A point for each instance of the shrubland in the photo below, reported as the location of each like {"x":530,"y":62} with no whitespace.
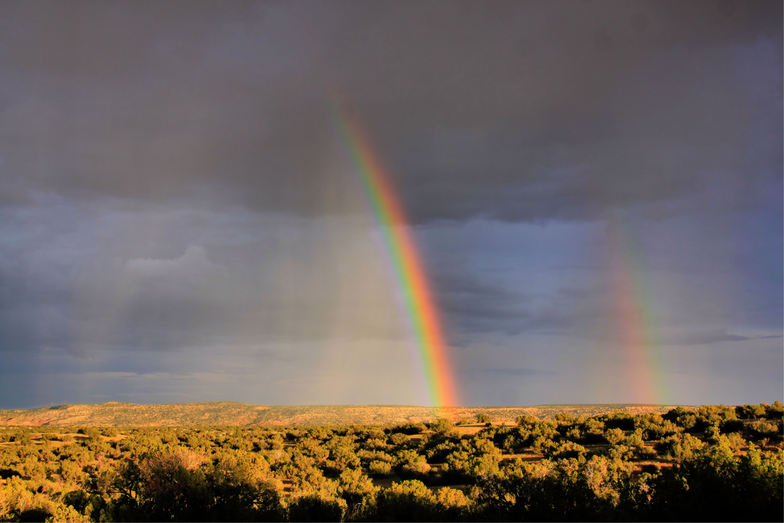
{"x":705,"y":463}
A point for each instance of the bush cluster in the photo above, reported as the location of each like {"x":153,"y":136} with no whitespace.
{"x":706,"y":463}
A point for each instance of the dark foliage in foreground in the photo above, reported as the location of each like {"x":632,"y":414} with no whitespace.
{"x":710,"y":463}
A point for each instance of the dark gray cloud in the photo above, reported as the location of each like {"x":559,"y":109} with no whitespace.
{"x":160,"y":279}
{"x":709,"y":337}
{"x":518,"y":372}
{"x":517,"y":111}
{"x":472,"y":305}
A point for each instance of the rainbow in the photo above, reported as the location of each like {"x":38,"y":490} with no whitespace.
{"x":409,"y":271}
{"x":632,"y":307}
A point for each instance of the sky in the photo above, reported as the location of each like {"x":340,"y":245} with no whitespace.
{"x":594,"y":188}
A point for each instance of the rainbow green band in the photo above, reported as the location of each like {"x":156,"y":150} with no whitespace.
{"x":409,"y":271}
{"x":632,"y":307}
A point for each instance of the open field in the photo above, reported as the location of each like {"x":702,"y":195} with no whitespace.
{"x":231,"y":413}
{"x":579,"y":462}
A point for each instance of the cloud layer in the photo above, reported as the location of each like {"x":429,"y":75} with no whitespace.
{"x":179,"y":215}
{"x":519,"y":111}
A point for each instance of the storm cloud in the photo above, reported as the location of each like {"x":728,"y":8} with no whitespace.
{"x":516,"y":111}
{"x":177,"y":203}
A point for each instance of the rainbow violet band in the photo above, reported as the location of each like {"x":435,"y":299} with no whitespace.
{"x":408,"y":268}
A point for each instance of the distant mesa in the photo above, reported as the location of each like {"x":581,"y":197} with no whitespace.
{"x":115,"y":413}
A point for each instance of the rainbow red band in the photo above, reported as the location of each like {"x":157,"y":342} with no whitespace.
{"x":406,"y":261}
{"x":635,"y":319}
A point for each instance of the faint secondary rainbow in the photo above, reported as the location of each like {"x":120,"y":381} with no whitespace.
{"x":632,"y":304}
{"x":407,"y":264}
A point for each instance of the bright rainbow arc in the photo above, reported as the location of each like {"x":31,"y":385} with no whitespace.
{"x":408,"y":268}
{"x":632,"y":304}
